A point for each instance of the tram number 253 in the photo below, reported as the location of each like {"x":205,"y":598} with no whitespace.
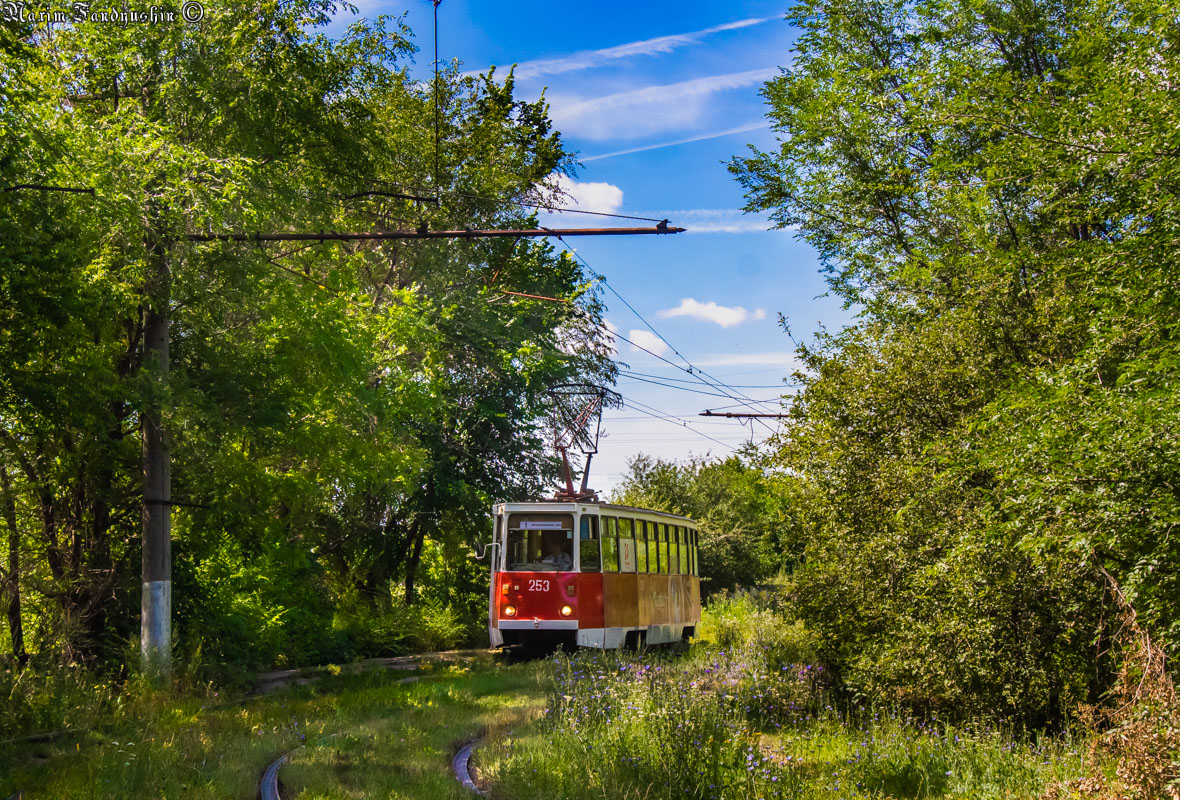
{"x":536,"y":585}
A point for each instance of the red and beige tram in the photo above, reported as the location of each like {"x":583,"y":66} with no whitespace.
{"x":592,"y":574}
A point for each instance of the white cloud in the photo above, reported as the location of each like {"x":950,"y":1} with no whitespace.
{"x":660,"y":145}
{"x":587,"y":59}
{"x":605,"y":198}
{"x":650,"y":110}
{"x":780,"y":358}
{"x":646,"y":340}
{"x":731,"y":226}
{"x":716,"y":220}
{"x":611,"y":330}
{"x":725,"y":316}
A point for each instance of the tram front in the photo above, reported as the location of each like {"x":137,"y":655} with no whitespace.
{"x":536,"y":593}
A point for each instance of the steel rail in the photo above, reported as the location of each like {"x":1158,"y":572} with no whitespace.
{"x":460,"y":766}
{"x":268,"y":788}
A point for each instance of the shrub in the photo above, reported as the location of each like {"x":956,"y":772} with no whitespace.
{"x":731,"y":622}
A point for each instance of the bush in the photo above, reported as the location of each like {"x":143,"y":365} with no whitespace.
{"x":389,"y":626}
{"x":745,"y":620}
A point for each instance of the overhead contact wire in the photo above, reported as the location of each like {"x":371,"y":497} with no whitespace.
{"x":692,"y":369}
{"x":654,"y":412}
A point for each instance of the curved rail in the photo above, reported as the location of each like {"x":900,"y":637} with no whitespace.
{"x":459,"y":765}
{"x":269,"y":787}
{"x":269,"y":790}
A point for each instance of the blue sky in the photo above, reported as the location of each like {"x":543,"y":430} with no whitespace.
{"x":656,"y":97}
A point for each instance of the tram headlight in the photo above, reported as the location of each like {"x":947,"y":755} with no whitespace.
{"x":510,"y":611}
{"x":566,"y":611}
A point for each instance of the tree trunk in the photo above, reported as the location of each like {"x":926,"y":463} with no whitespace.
{"x":16,"y":630}
{"x":417,"y":534}
{"x":417,"y":537}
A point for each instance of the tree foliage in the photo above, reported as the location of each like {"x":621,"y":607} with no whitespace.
{"x":749,"y":527}
{"x":992,"y":185}
{"x":338,"y":413}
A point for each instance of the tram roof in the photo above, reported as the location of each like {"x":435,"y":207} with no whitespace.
{"x":558,"y":506}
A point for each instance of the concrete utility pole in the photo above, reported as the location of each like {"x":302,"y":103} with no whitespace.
{"x":155,"y":631}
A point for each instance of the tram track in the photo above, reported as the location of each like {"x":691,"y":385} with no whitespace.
{"x":460,"y":760}
{"x":460,"y":766}
{"x":460,"y":763}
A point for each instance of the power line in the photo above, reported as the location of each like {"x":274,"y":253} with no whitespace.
{"x":651,"y":411}
{"x":624,"y":376}
{"x":405,"y":189}
{"x":736,"y":405}
{"x":369,"y":180}
{"x":615,"y":334}
{"x":691,"y":369}
{"x":37,"y":133}
{"x":553,"y":208}
{"x":742,"y":400}
{"x":681,"y":417}
{"x":674,"y":386}
{"x":686,"y":380}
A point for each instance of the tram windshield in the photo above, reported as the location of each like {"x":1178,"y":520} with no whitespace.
{"x":540,"y":543}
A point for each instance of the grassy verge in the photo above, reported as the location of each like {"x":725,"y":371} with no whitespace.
{"x":746,"y":716}
{"x":362,"y":735}
{"x":406,"y":752}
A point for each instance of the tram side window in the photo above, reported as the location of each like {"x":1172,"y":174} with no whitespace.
{"x":674,"y":549}
{"x":640,"y":546}
{"x":665,"y":560}
{"x":653,"y":548}
{"x":626,"y":546}
{"x":696,"y":553}
{"x":610,"y":545}
{"x":682,"y":540}
{"x":588,"y":545}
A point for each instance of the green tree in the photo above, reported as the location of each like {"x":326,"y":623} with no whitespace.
{"x":748,"y":524}
{"x":992,"y":186}
{"x":330,"y":406}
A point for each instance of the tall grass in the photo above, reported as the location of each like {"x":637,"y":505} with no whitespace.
{"x":745,"y":716}
{"x":51,"y":697}
{"x":361,"y":735}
